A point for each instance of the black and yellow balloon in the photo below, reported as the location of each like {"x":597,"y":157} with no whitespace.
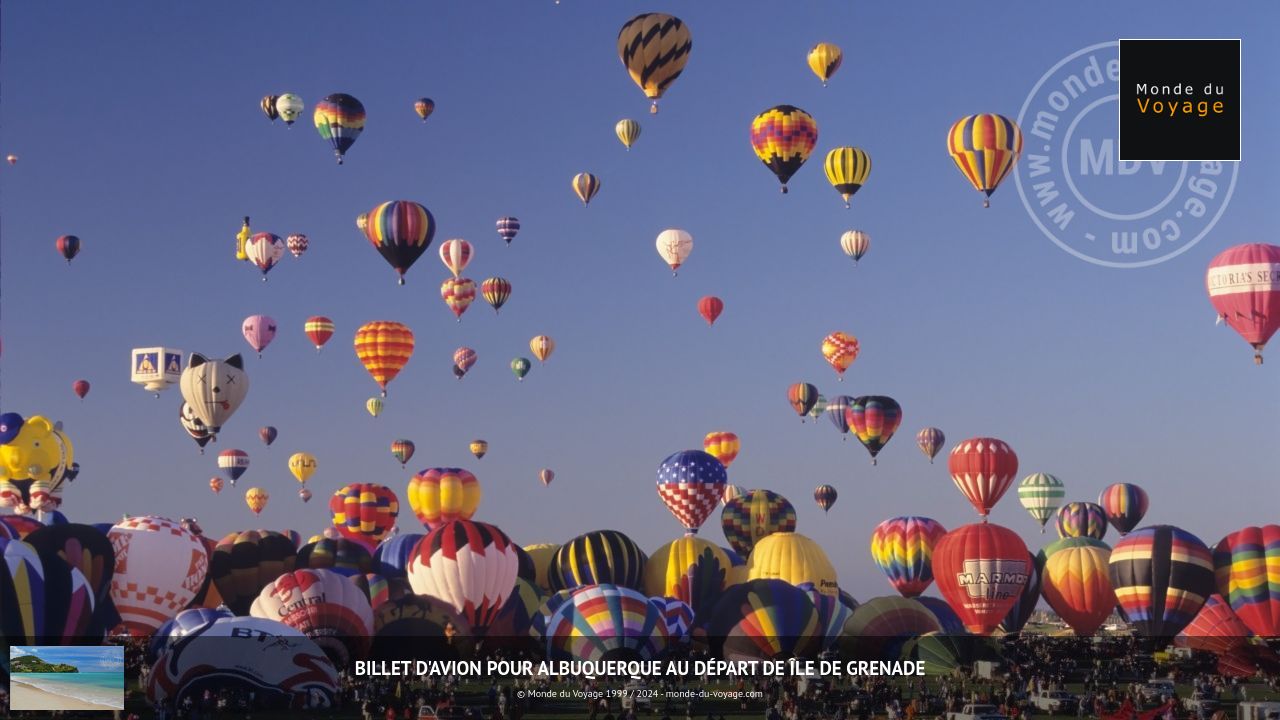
{"x":847,"y":169}
{"x":599,"y":557}
{"x":654,"y":47}
{"x":824,"y":60}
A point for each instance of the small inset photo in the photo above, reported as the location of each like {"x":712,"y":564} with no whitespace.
{"x":66,"y":677}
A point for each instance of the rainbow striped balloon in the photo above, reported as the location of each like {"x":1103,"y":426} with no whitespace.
{"x":1125,"y":505}
{"x":1247,"y":566}
{"x":1162,"y":576}
{"x":903,"y":548}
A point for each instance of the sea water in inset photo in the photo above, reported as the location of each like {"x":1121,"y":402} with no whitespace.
{"x":66,"y":678}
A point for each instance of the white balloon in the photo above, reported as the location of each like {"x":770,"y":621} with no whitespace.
{"x":674,"y":246}
{"x":214,"y":389}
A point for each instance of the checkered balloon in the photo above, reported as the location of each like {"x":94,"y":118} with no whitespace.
{"x":690,"y":483}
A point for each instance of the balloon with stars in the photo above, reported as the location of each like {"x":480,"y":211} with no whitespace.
{"x":690,"y":483}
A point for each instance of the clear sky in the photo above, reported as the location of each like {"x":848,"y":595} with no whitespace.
{"x":87,"y":659}
{"x":138,"y":129}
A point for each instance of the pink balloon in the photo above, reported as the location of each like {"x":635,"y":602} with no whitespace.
{"x":259,"y":331}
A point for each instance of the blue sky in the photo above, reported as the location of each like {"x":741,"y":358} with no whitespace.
{"x":138,"y":129}
{"x":87,"y":659}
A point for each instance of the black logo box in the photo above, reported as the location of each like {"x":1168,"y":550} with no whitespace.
{"x":1185,"y":69}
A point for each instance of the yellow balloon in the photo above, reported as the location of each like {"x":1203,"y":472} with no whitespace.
{"x":302,"y":465}
{"x":794,"y":558}
{"x":667,"y":572}
{"x":542,"y":347}
{"x":628,"y":131}
{"x":256,"y":499}
{"x":374,"y":406}
{"x":542,"y":554}
{"x":824,"y":60}
{"x":440,"y":495}
{"x":479,"y":448}
{"x":654,"y":47}
{"x":241,"y":238}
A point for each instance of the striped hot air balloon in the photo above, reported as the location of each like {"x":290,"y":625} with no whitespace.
{"x":753,"y":516}
{"x":783,"y":138}
{"x":495,"y":291}
{"x":690,"y":483}
{"x":402,"y":450}
{"x":654,"y":47}
{"x":825,"y":496}
{"x":364,"y":513}
{"x":983,"y":469}
{"x":930,"y":440}
{"x":319,"y":329}
{"x":1041,"y":494}
{"x":1247,"y":568}
{"x":507,"y":228}
{"x":339,"y":118}
{"x":722,"y":445}
{"x":985,"y":148}
{"x":401,"y":231}
{"x":902,"y":547}
{"x":585,"y":185}
{"x":595,"y":558}
{"x":874,"y":418}
{"x":384,"y":348}
{"x":440,"y":495}
{"x":847,"y":169}
{"x":1162,"y":576}
{"x":458,"y":294}
{"x":802,"y":396}
{"x":1125,"y":505}
{"x":1082,"y":519}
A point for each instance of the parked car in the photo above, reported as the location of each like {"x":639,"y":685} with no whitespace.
{"x":1054,"y":702}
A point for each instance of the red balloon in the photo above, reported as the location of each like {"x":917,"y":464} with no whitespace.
{"x":710,"y":308}
{"x":983,"y":468}
{"x":981,"y":570}
{"x":1244,"y":287}
{"x":80,"y":388}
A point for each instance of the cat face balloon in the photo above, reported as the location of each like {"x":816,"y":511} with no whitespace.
{"x":214,"y":389}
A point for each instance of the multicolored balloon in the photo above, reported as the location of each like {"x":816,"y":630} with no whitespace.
{"x":983,"y":469}
{"x":325,"y":606}
{"x":902,"y":547}
{"x":507,"y":228}
{"x":824,"y":59}
{"x":463,"y":359}
{"x":802,"y":396}
{"x":264,"y":250}
{"x":1125,"y":505}
{"x":607,"y":621}
{"x":402,"y":450}
{"x":384,"y":348}
{"x":542,"y":346}
{"x":458,"y":293}
{"x":441,"y":495}
{"x":1247,"y":569}
{"x":215,"y":484}
{"x":1244,"y":286}
{"x":628,"y":131}
{"x":267,"y":434}
{"x":1162,"y":576}
{"x":233,"y":463}
{"x":985,"y":148}
{"x":722,"y":445}
{"x":495,"y":291}
{"x":424,"y":107}
{"x":456,"y":254}
{"x":268,"y":105}
{"x":1076,"y":582}
{"x":762,"y":620}
{"x":478,"y":448}
{"x":1082,"y":519}
{"x":364,"y":513}
{"x":374,"y":406}
{"x":825,"y":496}
{"x":689,"y":569}
{"x":68,"y":247}
{"x":783,"y":138}
{"x":840,"y":350}
{"x":318,"y":329}
{"x":401,"y":231}
{"x":690,"y":483}
{"x":847,"y":170}
{"x":339,"y":118}
{"x":874,"y":418}
{"x":585,"y":185}
{"x":981,"y":570}
{"x":930,"y":440}
{"x":595,"y":558}
{"x":1041,"y":494}
{"x":755,"y":515}
{"x":654,"y":47}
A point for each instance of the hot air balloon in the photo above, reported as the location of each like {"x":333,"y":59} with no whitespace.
{"x":754,"y":515}
{"x":985,"y":148}
{"x":339,"y":119}
{"x":882,"y":626}
{"x":722,"y":445}
{"x":981,"y":570}
{"x":1125,"y":505}
{"x":763,"y":620}
{"x":374,"y":406}
{"x":1247,"y":569}
{"x":825,"y":496}
{"x":362,"y":221}
{"x":400,"y":230}
{"x":384,"y":348}
{"x":837,"y":412}
{"x":1216,"y":629}
{"x":268,"y":106}
{"x":47,"y":600}
{"x":302,"y":465}
{"x":585,"y":185}
{"x":802,"y":396}
{"x":690,"y":569}
{"x":325,"y":606}
{"x":458,"y":294}
{"x":456,"y":255}
{"x":819,"y":407}
{"x":903,"y":548}
{"x":12,"y":159}
{"x":472,"y":566}
{"x":840,"y":350}
{"x":194,"y":427}
{"x":424,"y":107}
{"x":267,"y":434}
{"x":874,"y":418}
{"x":463,"y":359}
{"x":507,"y":228}
{"x":598,"y":557}
{"x":1023,"y":608}
{"x":1244,"y":286}
{"x":256,"y":499}
{"x":258,"y":331}
{"x":80,"y":388}
{"x":783,"y":138}
{"x":542,"y":346}
{"x":264,"y":250}
{"x":545,"y":476}
{"x":84,"y":549}
{"x":334,"y":552}
{"x":983,"y":469}
{"x":233,"y":463}
{"x":674,"y":246}
{"x":495,"y":291}
{"x":1041,"y":494}
{"x":440,"y":495}
{"x":478,"y":448}
{"x":402,"y":450}
{"x":319,"y":329}
{"x":654,"y":48}
{"x":607,"y":621}
{"x":930,"y":440}
{"x":1076,"y":582}
{"x":364,"y":513}
{"x":243,"y":563}
{"x":628,"y":131}
{"x":181,"y":625}
{"x":710,"y":307}
{"x":68,"y":247}
{"x":690,"y":483}
{"x":289,"y":106}
{"x":215,"y":484}
{"x":855,"y":244}
{"x":297,"y":244}
{"x":214,"y":389}
{"x":304,"y":494}
{"x":1162,"y":575}
{"x":847,"y":170}
{"x":521,"y":366}
{"x":159,"y":566}
{"x":824,"y":60}
{"x":1082,"y":519}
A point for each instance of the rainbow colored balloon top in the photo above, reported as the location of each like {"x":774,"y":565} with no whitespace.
{"x":339,"y":118}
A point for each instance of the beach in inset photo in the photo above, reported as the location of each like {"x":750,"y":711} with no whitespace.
{"x":66,"y":678}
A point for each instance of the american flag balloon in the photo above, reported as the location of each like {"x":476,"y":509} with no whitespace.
{"x":690,"y":483}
